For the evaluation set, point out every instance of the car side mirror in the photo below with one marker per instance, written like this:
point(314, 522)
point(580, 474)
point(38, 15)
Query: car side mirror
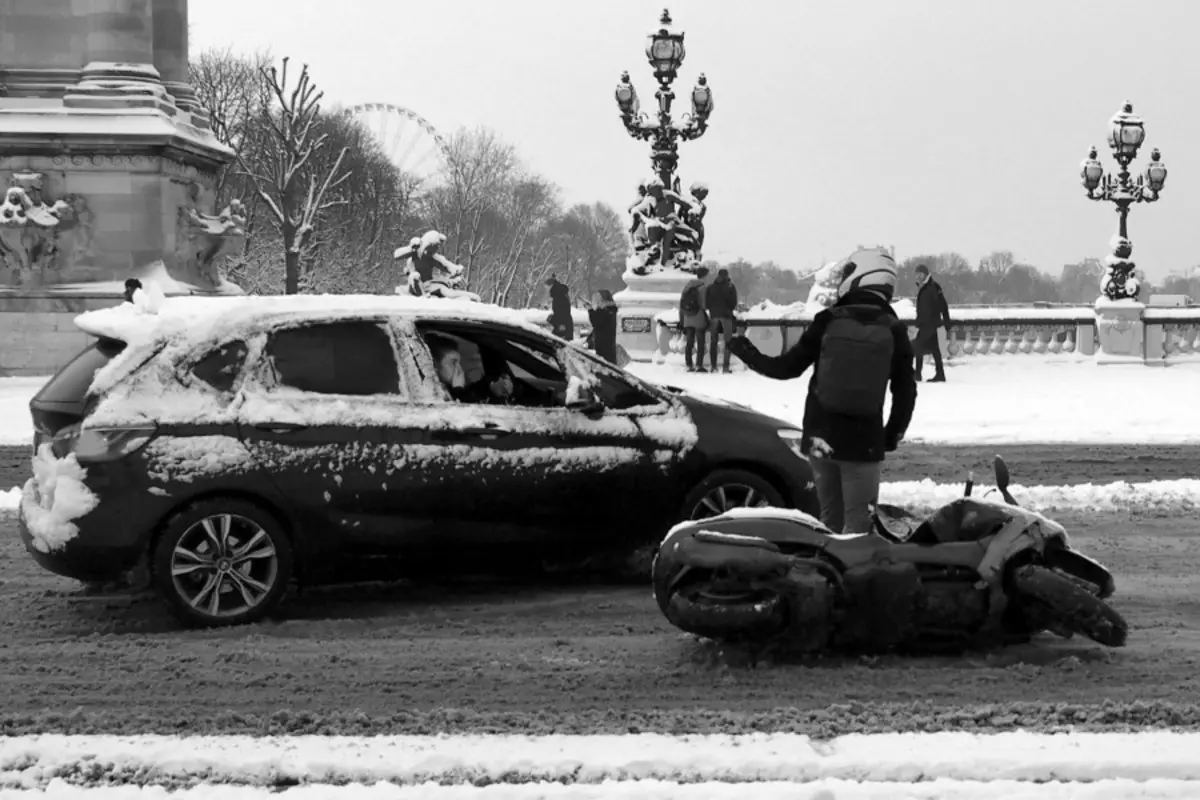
point(592, 409)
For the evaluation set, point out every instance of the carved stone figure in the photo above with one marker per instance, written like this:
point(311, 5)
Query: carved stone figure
point(202, 239)
point(660, 228)
point(1119, 281)
point(29, 229)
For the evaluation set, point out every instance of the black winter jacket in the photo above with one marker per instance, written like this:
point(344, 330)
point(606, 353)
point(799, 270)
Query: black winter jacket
point(604, 332)
point(932, 309)
point(721, 298)
point(852, 438)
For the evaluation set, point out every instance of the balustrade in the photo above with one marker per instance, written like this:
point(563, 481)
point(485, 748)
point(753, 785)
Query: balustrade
point(1172, 335)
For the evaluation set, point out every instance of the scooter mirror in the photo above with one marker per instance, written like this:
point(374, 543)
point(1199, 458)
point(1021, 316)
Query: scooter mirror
point(1001, 474)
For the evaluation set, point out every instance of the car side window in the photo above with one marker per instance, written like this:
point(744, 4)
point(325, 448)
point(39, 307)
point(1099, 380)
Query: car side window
point(220, 366)
point(485, 355)
point(349, 358)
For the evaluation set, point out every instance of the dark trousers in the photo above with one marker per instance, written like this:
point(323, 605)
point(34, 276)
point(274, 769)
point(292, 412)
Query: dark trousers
point(690, 337)
point(725, 326)
point(927, 342)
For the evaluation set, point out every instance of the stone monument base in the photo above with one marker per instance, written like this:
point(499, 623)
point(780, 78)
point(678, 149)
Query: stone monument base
point(644, 297)
point(38, 329)
point(1120, 330)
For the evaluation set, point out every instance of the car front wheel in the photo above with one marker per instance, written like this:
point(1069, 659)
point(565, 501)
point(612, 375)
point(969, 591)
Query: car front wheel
point(726, 489)
point(221, 562)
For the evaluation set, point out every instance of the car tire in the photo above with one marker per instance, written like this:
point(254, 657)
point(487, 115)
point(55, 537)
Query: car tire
point(222, 562)
point(739, 487)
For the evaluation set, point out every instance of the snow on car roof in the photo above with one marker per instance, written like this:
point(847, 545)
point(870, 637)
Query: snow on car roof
point(146, 321)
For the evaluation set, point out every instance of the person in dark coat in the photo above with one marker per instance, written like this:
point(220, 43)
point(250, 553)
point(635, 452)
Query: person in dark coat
point(847, 451)
point(721, 299)
point(131, 286)
point(932, 313)
point(561, 321)
point(603, 317)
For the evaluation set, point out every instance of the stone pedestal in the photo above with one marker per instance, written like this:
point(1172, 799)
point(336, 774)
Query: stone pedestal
point(107, 166)
point(644, 297)
point(1120, 330)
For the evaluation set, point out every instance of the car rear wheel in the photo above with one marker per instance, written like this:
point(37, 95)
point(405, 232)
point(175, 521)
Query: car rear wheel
point(726, 489)
point(221, 562)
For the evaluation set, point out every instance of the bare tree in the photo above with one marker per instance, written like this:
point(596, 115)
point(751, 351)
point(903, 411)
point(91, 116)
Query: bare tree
point(480, 167)
point(230, 88)
point(293, 190)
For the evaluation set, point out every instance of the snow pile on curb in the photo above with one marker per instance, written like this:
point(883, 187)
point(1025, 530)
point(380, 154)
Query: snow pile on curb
point(649, 790)
point(1153, 496)
point(610, 765)
point(10, 498)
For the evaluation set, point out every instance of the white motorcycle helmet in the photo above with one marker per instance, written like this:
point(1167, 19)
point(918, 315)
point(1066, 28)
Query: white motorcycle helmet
point(872, 269)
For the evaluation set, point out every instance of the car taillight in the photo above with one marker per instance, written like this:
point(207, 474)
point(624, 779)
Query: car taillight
point(99, 444)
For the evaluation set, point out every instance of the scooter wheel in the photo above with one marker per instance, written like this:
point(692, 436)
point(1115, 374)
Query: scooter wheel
point(1047, 595)
point(749, 619)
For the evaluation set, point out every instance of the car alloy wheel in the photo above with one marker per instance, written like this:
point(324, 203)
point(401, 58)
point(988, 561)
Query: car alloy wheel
point(728, 496)
point(225, 567)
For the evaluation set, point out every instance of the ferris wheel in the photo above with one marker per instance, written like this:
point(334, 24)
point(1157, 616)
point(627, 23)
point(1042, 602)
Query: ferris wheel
point(407, 138)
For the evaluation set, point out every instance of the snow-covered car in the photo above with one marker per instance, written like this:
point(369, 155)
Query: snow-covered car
point(226, 447)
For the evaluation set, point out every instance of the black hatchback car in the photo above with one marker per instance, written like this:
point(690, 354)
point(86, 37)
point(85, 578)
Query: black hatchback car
point(225, 447)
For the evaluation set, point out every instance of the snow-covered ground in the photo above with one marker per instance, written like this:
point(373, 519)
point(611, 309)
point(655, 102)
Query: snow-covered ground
point(16, 427)
point(1003, 400)
point(938, 765)
point(988, 400)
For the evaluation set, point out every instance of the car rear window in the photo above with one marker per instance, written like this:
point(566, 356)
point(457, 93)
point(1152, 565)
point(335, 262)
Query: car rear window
point(70, 384)
point(336, 358)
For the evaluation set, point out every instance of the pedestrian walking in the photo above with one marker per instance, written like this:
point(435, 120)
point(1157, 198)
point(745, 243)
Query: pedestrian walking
point(720, 300)
point(694, 318)
point(932, 313)
point(857, 347)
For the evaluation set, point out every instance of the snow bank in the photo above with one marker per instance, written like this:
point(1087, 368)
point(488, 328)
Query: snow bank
point(53, 498)
point(941, 789)
point(10, 499)
point(1155, 496)
point(607, 762)
point(192, 459)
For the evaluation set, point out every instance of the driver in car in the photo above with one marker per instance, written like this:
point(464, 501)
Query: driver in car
point(496, 388)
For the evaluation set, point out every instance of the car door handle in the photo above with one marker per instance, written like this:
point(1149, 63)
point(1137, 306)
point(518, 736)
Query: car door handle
point(280, 427)
point(488, 431)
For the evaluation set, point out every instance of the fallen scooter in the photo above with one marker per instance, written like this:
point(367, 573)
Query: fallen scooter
point(975, 572)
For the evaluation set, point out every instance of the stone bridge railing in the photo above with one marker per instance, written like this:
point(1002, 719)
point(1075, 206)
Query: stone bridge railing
point(1155, 336)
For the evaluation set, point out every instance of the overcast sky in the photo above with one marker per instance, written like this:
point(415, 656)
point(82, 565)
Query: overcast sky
point(929, 125)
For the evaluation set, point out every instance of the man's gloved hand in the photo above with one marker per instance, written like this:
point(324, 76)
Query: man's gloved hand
point(741, 347)
point(891, 441)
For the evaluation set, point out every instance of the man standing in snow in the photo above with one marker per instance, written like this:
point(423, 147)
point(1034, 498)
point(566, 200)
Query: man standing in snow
point(720, 299)
point(694, 318)
point(858, 346)
point(932, 313)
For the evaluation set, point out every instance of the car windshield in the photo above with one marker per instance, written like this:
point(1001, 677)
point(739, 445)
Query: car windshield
point(605, 367)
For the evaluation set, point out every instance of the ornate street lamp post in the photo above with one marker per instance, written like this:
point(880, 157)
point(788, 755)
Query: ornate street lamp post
point(1125, 136)
point(665, 51)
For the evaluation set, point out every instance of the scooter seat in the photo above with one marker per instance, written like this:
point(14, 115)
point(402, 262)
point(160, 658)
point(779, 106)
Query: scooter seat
point(856, 548)
point(735, 540)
